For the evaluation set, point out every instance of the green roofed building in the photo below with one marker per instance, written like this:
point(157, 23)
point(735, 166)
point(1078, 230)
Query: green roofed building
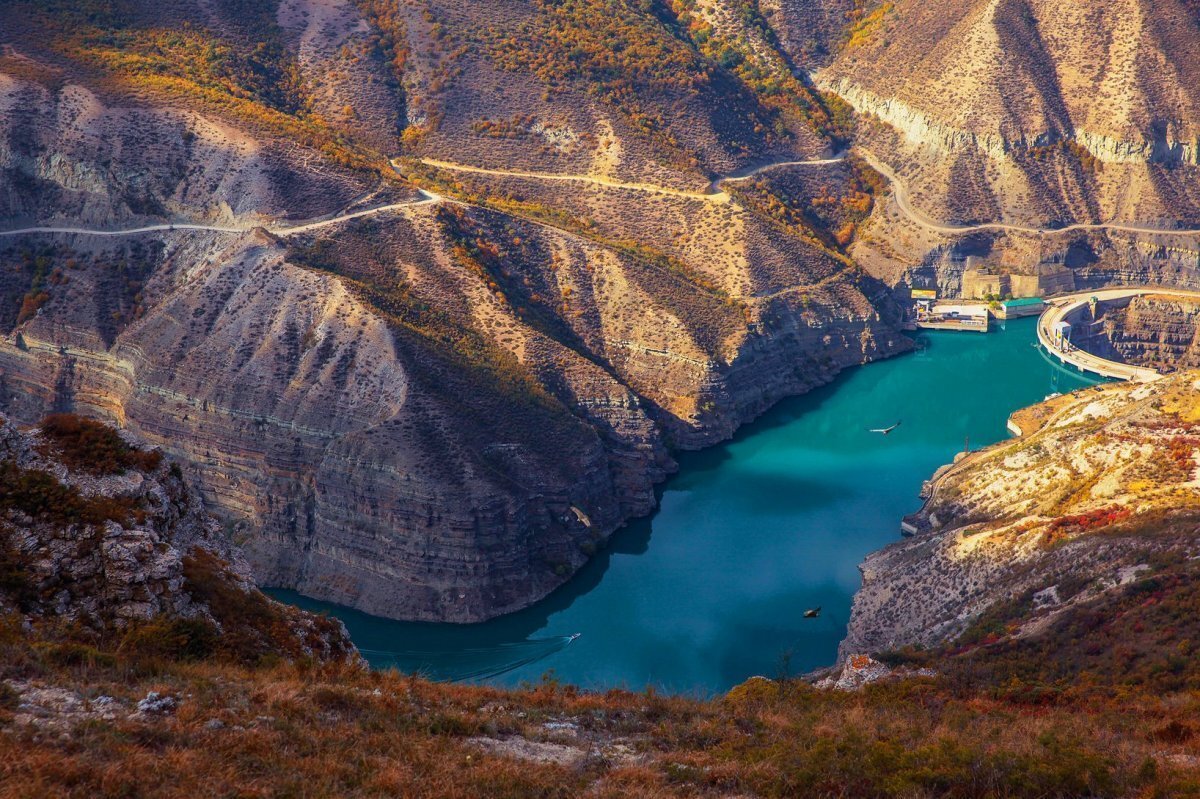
point(1024, 306)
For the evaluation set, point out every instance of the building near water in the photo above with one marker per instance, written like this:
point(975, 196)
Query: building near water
point(1023, 306)
point(944, 316)
point(980, 281)
point(1060, 335)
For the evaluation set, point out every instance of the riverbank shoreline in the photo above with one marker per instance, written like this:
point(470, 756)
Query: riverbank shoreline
point(711, 589)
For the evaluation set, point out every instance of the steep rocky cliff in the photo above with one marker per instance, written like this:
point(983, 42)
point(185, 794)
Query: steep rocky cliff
point(999, 76)
point(1158, 331)
point(99, 534)
point(1028, 114)
point(1100, 490)
point(446, 445)
point(440, 408)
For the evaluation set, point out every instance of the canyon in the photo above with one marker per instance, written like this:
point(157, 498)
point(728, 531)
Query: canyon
point(435, 411)
point(410, 306)
point(414, 376)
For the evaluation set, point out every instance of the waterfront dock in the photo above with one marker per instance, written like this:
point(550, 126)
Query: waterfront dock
point(963, 317)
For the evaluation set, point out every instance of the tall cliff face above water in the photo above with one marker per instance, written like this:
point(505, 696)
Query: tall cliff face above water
point(425, 406)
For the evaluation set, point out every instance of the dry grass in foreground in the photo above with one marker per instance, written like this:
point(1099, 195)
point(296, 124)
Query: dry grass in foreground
point(307, 730)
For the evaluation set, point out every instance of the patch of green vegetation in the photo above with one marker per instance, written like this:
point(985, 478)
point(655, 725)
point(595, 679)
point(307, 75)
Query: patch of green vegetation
point(33, 273)
point(826, 216)
point(74, 655)
point(389, 38)
point(615, 46)
point(196, 55)
point(866, 22)
point(762, 67)
point(254, 630)
point(170, 639)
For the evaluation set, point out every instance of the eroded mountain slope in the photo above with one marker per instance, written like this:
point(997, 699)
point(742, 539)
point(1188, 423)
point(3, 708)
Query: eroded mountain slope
point(1120, 79)
point(435, 414)
point(436, 411)
point(668, 92)
point(1037, 115)
point(1100, 489)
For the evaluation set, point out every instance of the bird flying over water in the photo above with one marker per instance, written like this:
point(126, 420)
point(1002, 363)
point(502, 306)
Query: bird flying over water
point(812, 613)
point(885, 430)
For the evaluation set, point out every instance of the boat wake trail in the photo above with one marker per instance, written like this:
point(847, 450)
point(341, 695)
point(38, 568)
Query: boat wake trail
point(469, 664)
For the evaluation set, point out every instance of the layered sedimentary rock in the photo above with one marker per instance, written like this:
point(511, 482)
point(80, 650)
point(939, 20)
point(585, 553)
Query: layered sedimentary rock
point(1159, 331)
point(999, 76)
point(1101, 486)
point(449, 453)
point(1037, 115)
point(436, 411)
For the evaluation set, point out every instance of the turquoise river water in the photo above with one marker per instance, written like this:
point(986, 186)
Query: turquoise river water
point(712, 588)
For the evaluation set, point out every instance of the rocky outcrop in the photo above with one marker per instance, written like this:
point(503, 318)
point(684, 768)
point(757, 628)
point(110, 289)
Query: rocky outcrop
point(105, 547)
point(1159, 331)
point(1102, 483)
point(922, 129)
point(98, 533)
point(856, 672)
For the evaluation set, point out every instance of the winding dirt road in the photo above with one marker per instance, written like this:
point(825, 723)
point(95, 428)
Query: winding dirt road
point(904, 203)
point(595, 180)
point(427, 198)
point(714, 195)
point(899, 193)
point(749, 172)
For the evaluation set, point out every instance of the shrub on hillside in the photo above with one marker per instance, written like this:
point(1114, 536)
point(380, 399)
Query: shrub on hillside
point(254, 629)
point(92, 447)
point(39, 495)
point(170, 639)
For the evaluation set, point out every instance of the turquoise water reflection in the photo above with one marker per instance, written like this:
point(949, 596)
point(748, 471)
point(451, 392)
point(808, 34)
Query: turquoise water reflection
point(711, 589)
